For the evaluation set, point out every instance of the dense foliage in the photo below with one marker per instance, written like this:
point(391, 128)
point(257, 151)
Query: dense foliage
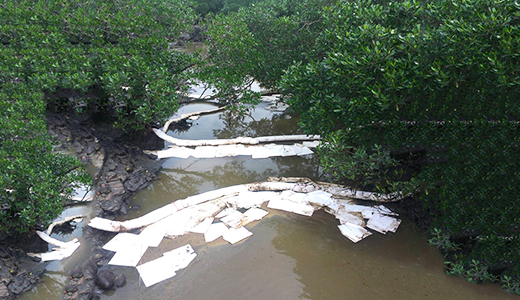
point(34, 181)
point(419, 98)
point(259, 42)
point(204, 7)
point(105, 57)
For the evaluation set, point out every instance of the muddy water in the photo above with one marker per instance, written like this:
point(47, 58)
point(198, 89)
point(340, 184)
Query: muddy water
point(288, 257)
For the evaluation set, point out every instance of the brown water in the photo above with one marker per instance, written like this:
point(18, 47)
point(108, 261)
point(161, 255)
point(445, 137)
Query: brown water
point(289, 256)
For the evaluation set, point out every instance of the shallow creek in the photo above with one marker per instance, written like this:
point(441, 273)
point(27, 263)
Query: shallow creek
point(288, 256)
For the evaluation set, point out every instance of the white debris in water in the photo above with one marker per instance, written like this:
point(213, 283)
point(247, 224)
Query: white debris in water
point(129, 248)
point(234, 219)
point(203, 226)
point(204, 152)
point(225, 212)
point(350, 217)
point(156, 271)
point(271, 98)
point(253, 214)
point(251, 199)
point(59, 253)
point(235, 235)
point(319, 198)
point(278, 106)
point(129, 256)
point(181, 257)
point(166, 266)
point(122, 240)
point(255, 151)
point(152, 235)
point(215, 231)
point(197, 214)
point(383, 224)
point(180, 152)
point(292, 202)
point(354, 232)
point(311, 144)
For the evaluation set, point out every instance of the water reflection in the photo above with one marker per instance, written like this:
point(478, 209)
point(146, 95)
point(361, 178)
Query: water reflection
point(393, 266)
point(257, 123)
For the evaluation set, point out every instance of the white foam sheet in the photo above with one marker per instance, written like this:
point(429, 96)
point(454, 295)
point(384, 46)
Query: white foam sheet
point(288, 150)
point(225, 212)
point(181, 257)
point(121, 241)
point(130, 256)
point(252, 199)
point(204, 152)
point(156, 271)
point(256, 151)
point(385, 210)
point(264, 152)
point(291, 206)
point(180, 152)
point(348, 217)
point(152, 235)
point(230, 150)
point(235, 235)
point(203, 226)
point(215, 231)
point(383, 224)
point(295, 197)
point(354, 232)
point(275, 150)
point(272, 98)
point(253, 214)
point(234, 219)
point(366, 211)
point(188, 218)
point(320, 198)
point(200, 198)
point(166, 267)
point(311, 144)
point(302, 150)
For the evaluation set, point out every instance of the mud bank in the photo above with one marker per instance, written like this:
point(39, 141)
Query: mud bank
point(121, 170)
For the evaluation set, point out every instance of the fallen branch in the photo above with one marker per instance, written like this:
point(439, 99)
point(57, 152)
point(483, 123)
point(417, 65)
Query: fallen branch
point(189, 115)
point(66, 220)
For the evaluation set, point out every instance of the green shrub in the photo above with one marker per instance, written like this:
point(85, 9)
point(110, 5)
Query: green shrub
point(434, 88)
point(111, 57)
point(34, 180)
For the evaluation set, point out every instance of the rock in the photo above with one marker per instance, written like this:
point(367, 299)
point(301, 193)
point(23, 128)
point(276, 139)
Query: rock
point(135, 182)
point(70, 289)
point(78, 147)
point(120, 280)
point(116, 187)
point(110, 164)
point(112, 205)
point(77, 272)
point(105, 279)
point(19, 285)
